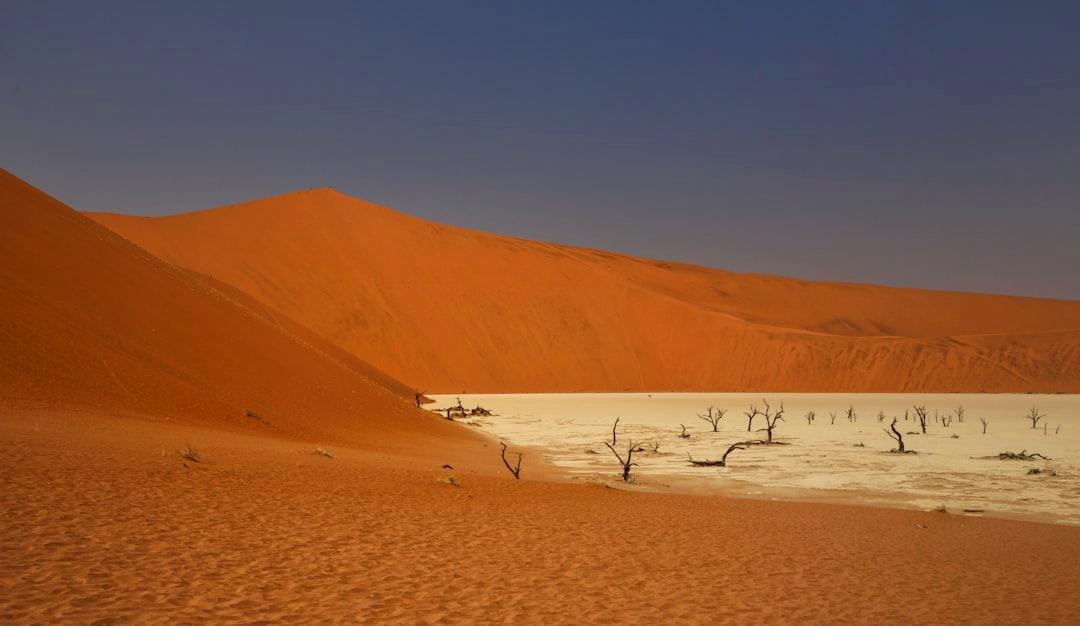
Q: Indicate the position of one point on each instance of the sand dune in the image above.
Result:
(89, 320)
(447, 309)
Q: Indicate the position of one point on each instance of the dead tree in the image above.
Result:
(896, 436)
(946, 420)
(626, 463)
(723, 460)
(851, 415)
(516, 469)
(750, 414)
(881, 417)
(684, 434)
(921, 414)
(713, 416)
(1034, 415)
(984, 424)
(810, 415)
(449, 415)
(419, 399)
(832, 418)
(771, 420)
(960, 411)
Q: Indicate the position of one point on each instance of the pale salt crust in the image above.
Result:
(823, 461)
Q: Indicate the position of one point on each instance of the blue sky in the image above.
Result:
(908, 143)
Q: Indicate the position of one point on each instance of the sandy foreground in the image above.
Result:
(104, 522)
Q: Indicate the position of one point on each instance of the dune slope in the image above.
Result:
(87, 319)
(448, 309)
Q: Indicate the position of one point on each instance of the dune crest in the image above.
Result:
(449, 309)
(91, 321)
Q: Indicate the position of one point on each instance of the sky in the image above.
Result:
(924, 144)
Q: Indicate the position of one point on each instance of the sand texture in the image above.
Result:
(447, 310)
(103, 521)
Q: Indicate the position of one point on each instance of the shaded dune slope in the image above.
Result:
(90, 320)
(447, 309)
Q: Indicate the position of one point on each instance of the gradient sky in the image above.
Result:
(907, 143)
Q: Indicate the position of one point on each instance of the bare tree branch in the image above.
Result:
(516, 469)
(771, 420)
(750, 414)
(921, 413)
(895, 434)
(713, 417)
(1034, 415)
(629, 461)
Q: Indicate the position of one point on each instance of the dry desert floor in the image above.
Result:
(106, 523)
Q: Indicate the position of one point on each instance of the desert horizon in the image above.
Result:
(676, 314)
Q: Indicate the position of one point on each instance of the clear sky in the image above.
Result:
(909, 143)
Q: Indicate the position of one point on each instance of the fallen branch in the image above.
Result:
(1018, 456)
(721, 463)
(516, 469)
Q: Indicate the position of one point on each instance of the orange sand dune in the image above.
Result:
(88, 319)
(447, 309)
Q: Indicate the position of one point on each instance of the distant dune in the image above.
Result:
(447, 309)
(90, 321)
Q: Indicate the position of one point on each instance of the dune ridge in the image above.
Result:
(90, 320)
(448, 309)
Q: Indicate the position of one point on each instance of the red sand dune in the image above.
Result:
(448, 309)
(89, 320)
